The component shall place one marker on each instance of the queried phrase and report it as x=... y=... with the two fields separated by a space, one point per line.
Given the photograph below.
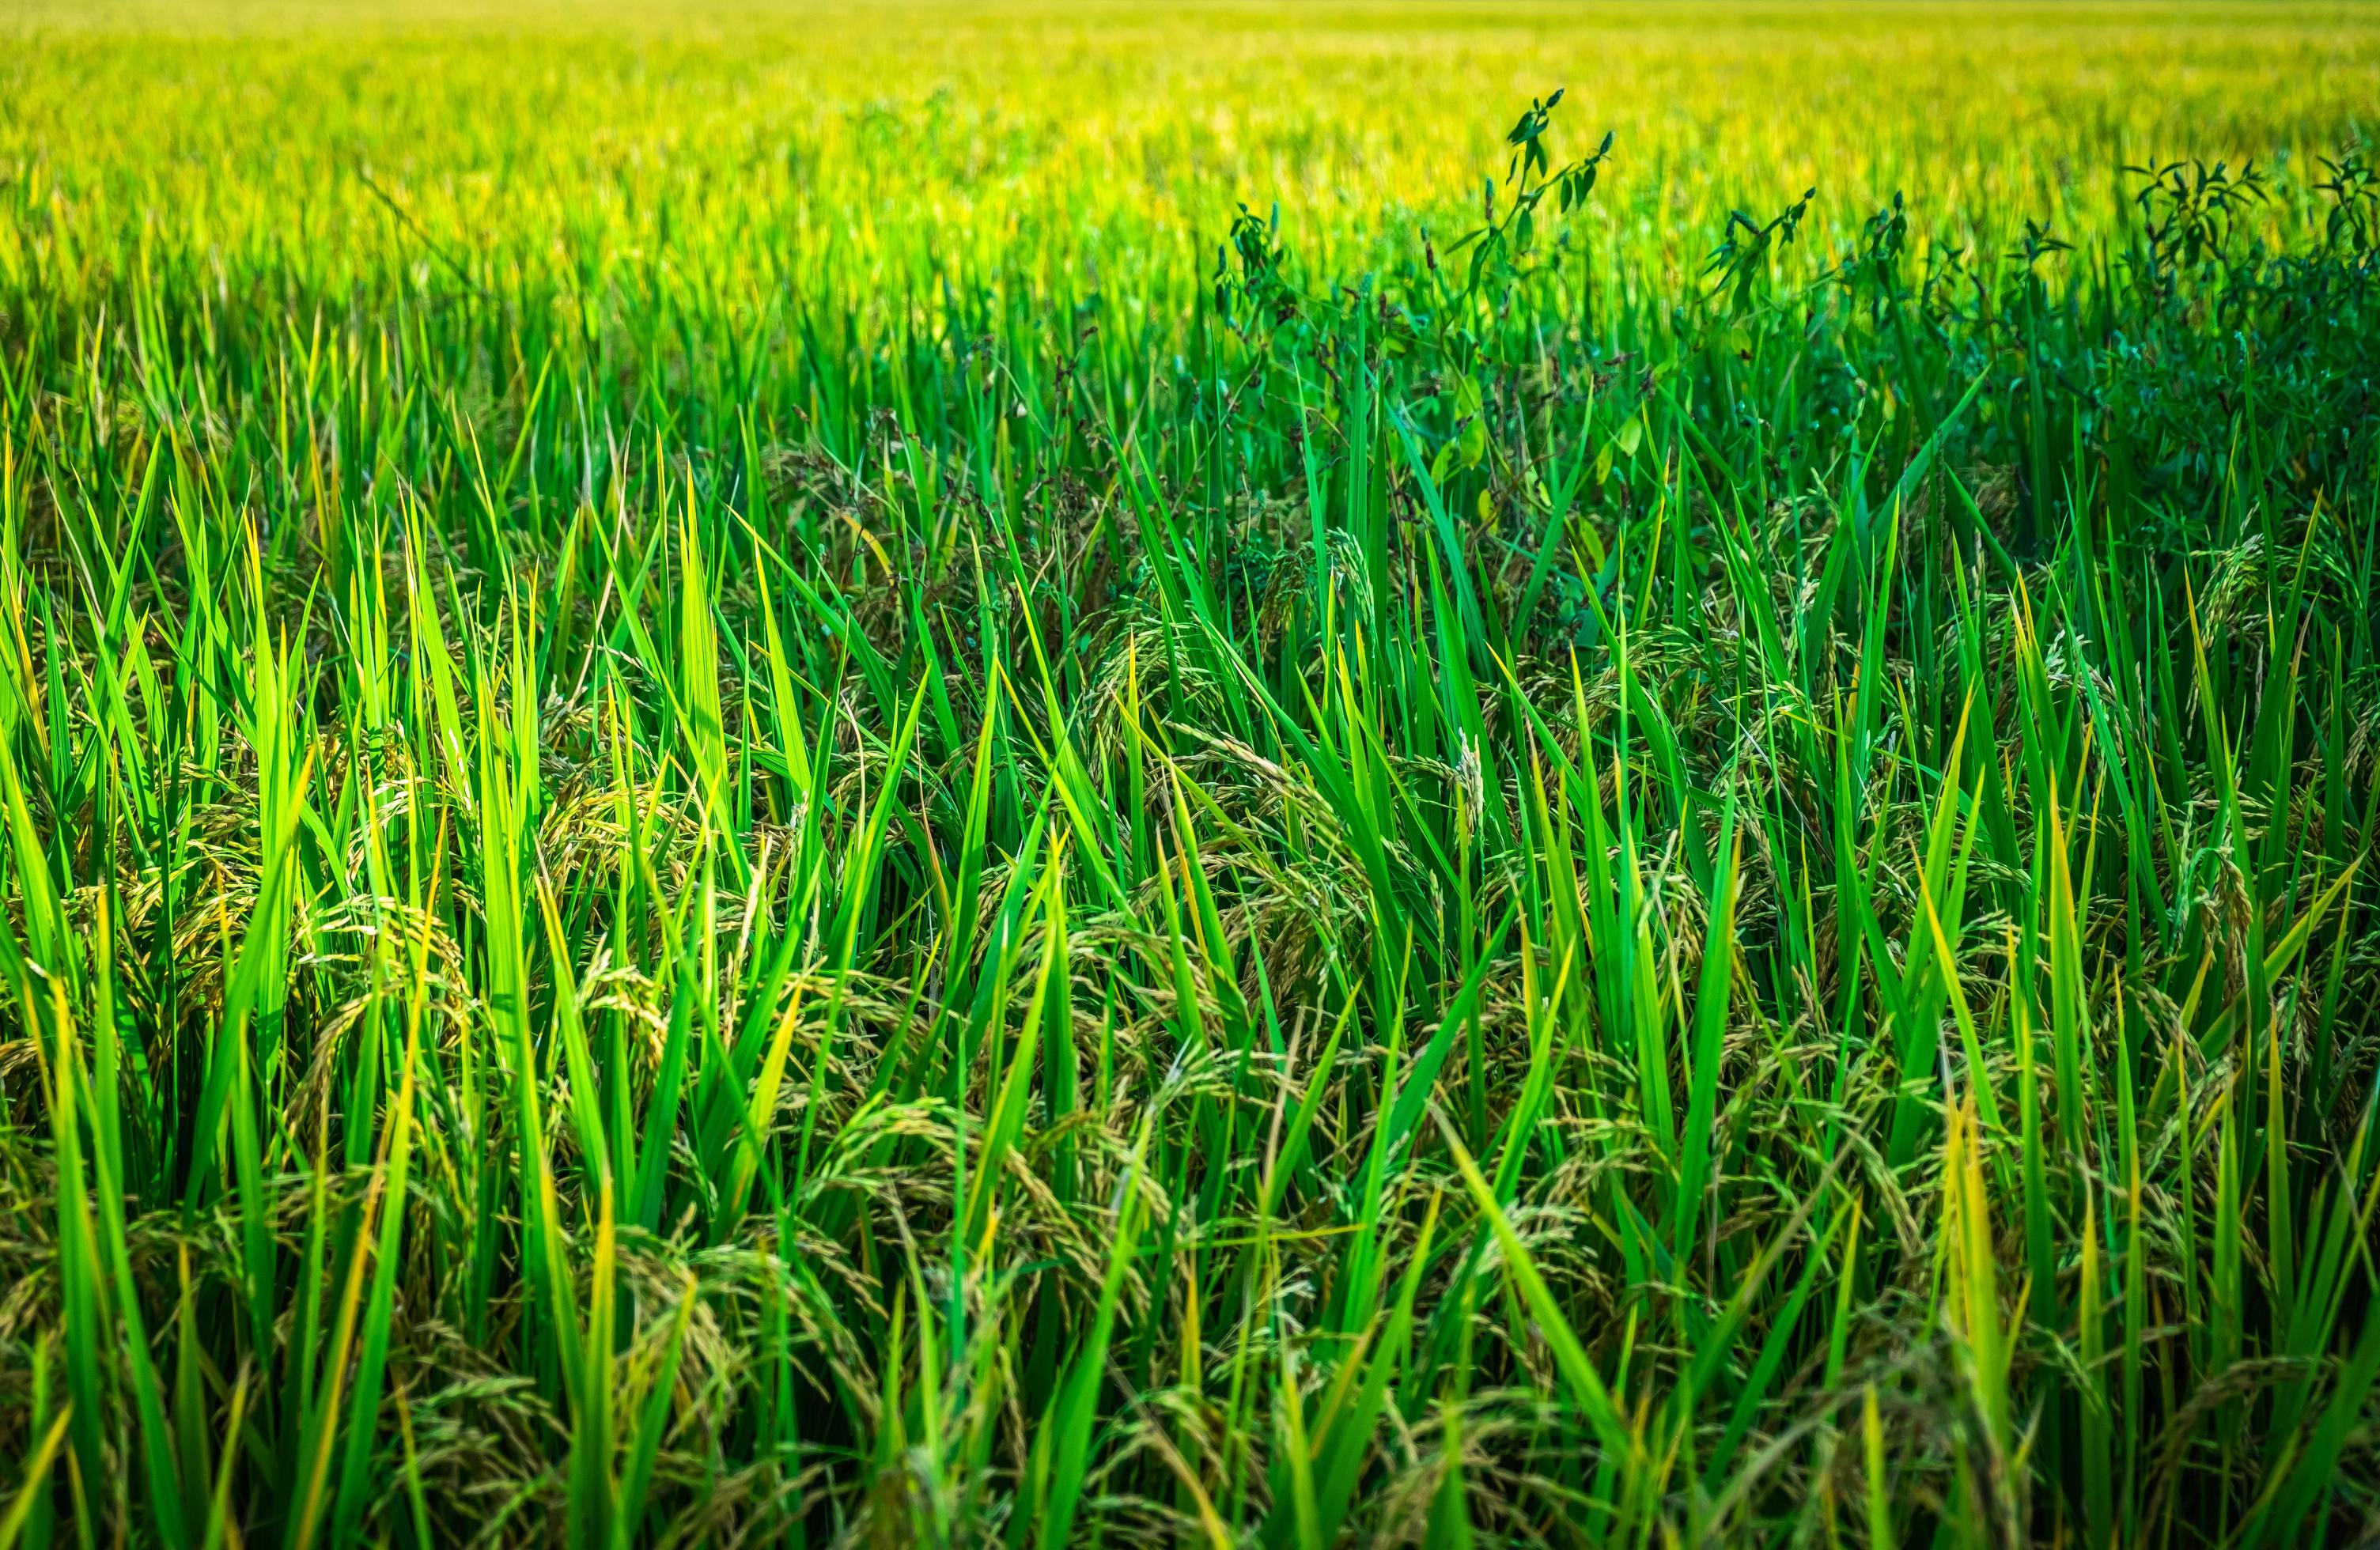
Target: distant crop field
x=1291 y=776
x=847 y=149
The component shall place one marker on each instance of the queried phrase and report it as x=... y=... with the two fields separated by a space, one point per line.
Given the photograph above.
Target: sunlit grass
x=958 y=775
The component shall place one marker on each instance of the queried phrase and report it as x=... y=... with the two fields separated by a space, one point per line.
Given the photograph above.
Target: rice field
x=1352 y=774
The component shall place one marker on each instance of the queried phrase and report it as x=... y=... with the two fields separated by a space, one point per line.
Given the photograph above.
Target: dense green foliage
x=729 y=822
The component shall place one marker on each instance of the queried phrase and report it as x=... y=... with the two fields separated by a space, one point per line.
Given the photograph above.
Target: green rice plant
x=763 y=784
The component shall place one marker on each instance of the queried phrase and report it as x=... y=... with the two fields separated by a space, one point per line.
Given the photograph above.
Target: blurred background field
x=860 y=152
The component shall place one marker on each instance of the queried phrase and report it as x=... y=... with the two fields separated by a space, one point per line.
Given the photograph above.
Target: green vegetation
x=766 y=780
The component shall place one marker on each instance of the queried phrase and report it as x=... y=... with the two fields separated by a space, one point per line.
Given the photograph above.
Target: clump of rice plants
x=738 y=814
